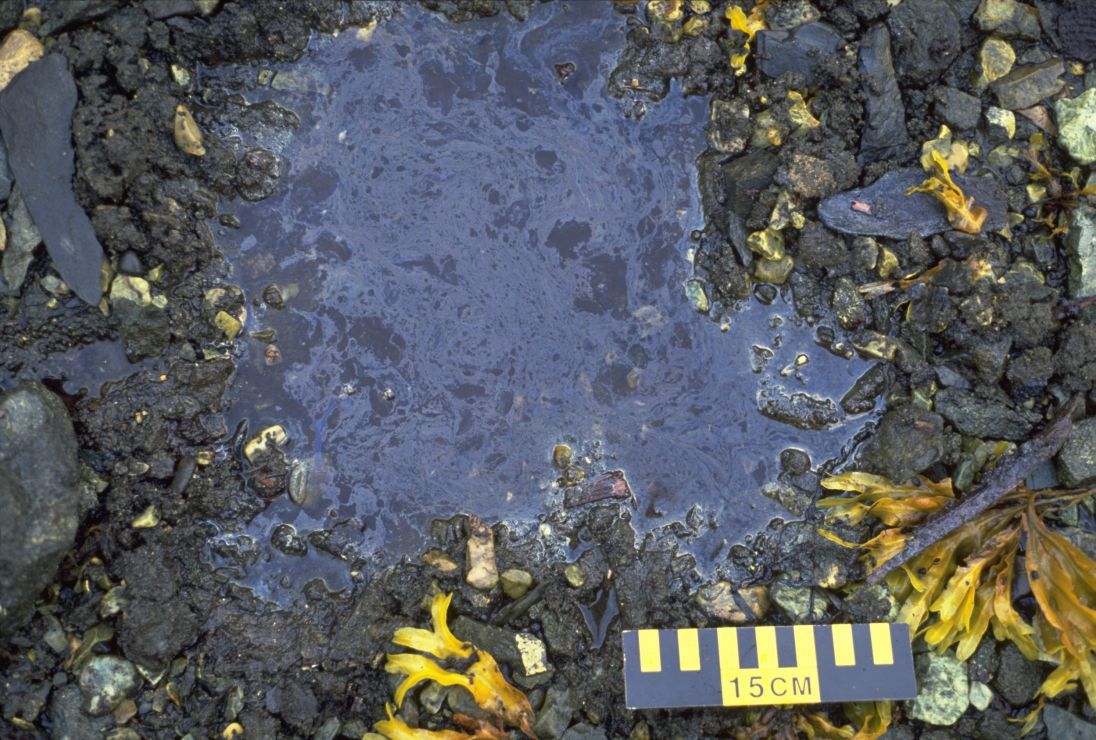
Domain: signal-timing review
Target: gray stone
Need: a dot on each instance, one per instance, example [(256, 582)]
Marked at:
[(1065, 725), (884, 209), (1025, 86), (36, 123), (956, 108), (800, 603), (983, 418), (39, 497), (1080, 245), (1077, 460), (884, 134), (23, 239), (555, 714), (1008, 18), (981, 696), (907, 441), (106, 680), (498, 641), (799, 50), (787, 14), (1017, 677), (69, 720), (943, 693), (1077, 125), (926, 37)]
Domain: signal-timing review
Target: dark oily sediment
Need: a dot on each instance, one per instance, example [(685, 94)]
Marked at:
[(36, 122), (39, 497), (884, 209)]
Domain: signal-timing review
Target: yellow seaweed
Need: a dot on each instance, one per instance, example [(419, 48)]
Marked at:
[(962, 214), (749, 25)]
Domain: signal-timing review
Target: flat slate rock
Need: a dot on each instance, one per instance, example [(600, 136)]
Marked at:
[(36, 123), (884, 209), (799, 50)]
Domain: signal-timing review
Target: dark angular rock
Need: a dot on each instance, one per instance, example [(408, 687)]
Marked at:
[(1077, 31), (1017, 678), (36, 122), (884, 135), (798, 409), (956, 108), (1025, 86), (861, 397), (1009, 19), (1077, 460), (799, 50), (39, 496), (983, 418), (907, 441), (1062, 723), (926, 37), (884, 209)]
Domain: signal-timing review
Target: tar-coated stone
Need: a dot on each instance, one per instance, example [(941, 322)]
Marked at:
[(1077, 460), (926, 37), (884, 134), (36, 122), (1061, 723), (1025, 86), (39, 496), (799, 50), (884, 209), (1077, 31), (907, 441), (983, 418), (956, 108)]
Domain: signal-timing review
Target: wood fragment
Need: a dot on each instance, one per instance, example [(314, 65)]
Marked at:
[(998, 482)]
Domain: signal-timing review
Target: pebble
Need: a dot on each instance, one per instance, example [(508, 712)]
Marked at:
[(1080, 244), (188, 137), (1025, 86), (1077, 460), (995, 59), (1008, 18), (801, 604), (516, 583), (482, 571), (106, 680), (22, 239), (884, 134), (943, 692), (981, 696), (19, 49), (1077, 126), (1002, 121), (574, 575), (721, 602), (956, 108)]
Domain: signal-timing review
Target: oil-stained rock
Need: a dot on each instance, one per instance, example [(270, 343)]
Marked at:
[(798, 50), (926, 37), (39, 496), (798, 409), (1077, 460), (884, 134), (907, 441), (1077, 31), (983, 418), (884, 209), (36, 122), (1025, 86)]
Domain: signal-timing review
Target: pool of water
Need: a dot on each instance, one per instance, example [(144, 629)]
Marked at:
[(487, 262)]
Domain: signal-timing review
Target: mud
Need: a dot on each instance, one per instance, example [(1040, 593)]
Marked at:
[(152, 389)]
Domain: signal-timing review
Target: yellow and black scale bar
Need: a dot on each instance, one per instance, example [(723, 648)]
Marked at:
[(753, 666)]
